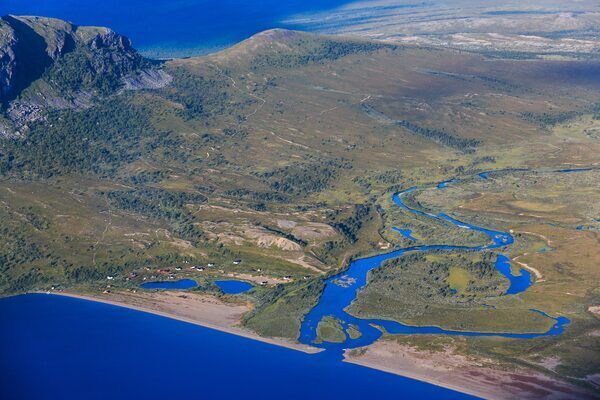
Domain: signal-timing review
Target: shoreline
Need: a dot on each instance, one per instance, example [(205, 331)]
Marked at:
[(469, 374), (226, 328), (420, 377), (249, 335), (382, 355)]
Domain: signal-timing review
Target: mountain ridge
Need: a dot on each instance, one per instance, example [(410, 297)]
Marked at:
[(47, 63)]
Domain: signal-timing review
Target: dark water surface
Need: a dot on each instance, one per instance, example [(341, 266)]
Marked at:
[(233, 286), (170, 285), (54, 347), (164, 28)]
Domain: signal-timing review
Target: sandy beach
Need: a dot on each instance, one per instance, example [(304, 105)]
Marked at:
[(467, 374), (204, 310)]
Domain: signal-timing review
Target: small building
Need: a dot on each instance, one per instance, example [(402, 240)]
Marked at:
[(237, 262)]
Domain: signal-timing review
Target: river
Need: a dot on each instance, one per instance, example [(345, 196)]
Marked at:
[(338, 296)]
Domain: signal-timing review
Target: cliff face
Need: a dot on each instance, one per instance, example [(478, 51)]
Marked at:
[(8, 62), (47, 64)]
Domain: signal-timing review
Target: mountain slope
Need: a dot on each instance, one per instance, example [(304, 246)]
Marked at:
[(47, 64)]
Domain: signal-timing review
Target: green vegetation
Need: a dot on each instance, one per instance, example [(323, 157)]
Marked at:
[(81, 69), (458, 279), (330, 330), (417, 289), (304, 179), (442, 137), (316, 52), (99, 140), (159, 203), (350, 225), (280, 310), (550, 119), (353, 332), (200, 96)]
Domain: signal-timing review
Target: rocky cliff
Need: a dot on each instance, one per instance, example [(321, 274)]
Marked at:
[(49, 64)]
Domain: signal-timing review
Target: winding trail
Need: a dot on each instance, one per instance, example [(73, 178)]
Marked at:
[(101, 239), (262, 101), (341, 289)]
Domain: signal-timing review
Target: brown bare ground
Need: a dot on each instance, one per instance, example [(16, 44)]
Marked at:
[(473, 375), (198, 309)]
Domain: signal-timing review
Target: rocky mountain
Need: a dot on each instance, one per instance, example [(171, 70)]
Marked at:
[(50, 64)]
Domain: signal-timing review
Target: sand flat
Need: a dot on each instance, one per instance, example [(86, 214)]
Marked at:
[(199, 309), (468, 374)]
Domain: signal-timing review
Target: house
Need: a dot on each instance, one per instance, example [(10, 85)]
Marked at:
[(237, 262), (211, 264), (110, 278)]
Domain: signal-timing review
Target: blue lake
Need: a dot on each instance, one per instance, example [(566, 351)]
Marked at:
[(233, 286), (166, 28), (54, 347), (407, 233), (170, 285), (444, 184)]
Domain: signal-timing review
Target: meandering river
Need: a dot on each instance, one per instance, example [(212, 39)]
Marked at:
[(342, 289)]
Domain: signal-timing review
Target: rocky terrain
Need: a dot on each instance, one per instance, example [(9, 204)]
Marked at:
[(48, 64)]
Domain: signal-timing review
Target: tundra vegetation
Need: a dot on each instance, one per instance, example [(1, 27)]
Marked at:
[(284, 152)]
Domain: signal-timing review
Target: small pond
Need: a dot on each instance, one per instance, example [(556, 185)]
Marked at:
[(172, 285), (233, 286)]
